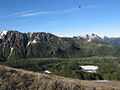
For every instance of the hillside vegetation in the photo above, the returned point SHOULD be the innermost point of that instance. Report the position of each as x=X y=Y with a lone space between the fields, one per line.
x=16 y=79
x=109 y=67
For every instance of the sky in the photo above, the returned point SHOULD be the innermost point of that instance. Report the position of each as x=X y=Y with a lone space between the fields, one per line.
x=62 y=17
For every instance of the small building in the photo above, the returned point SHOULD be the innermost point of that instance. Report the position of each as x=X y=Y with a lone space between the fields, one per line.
x=47 y=72
x=89 y=68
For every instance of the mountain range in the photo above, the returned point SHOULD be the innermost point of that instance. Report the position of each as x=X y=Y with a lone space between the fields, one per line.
x=15 y=45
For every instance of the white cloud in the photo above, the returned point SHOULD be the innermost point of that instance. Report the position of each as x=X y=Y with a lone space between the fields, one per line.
x=23 y=12
x=94 y=6
x=33 y=13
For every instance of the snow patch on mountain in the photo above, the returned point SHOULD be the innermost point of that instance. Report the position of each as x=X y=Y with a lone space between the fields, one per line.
x=11 y=49
x=10 y=52
x=31 y=34
x=4 y=32
x=34 y=41
x=92 y=37
x=29 y=43
x=88 y=37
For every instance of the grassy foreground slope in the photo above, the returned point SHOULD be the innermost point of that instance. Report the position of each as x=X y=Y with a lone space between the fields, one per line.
x=16 y=79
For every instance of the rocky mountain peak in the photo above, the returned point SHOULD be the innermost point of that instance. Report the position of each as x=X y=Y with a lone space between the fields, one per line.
x=89 y=37
x=3 y=33
x=14 y=40
x=92 y=37
x=14 y=45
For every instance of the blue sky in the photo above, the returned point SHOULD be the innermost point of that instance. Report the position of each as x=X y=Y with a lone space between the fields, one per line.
x=62 y=17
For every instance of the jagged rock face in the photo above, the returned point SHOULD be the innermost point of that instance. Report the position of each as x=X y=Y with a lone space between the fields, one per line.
x=14 y=42
x=15 y=45
x=92 y=37
x=88 y=37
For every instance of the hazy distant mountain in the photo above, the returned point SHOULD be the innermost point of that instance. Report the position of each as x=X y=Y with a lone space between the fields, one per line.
x=90 y=37
x=112 y=41
x=14 y=44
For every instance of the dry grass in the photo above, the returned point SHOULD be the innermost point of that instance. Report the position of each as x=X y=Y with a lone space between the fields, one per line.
x=16 y=79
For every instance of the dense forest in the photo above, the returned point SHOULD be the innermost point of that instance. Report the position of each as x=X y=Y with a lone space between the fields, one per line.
x=109 y=67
